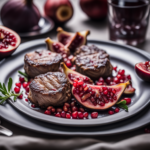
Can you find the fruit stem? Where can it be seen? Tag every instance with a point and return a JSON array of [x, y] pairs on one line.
[[29, 2]]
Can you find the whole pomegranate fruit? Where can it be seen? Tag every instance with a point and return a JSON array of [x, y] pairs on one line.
[[20, 15], [95, 9], [59, 10]]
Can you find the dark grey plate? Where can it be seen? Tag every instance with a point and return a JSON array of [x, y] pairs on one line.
[[122, 56], [14, 116]]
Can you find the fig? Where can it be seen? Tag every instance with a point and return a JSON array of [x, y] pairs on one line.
[[56, 47], [94, 9], [75, 76], [9, 41], [98, 97], [72, 40], [143, 70], [60, 11], [20, 15]]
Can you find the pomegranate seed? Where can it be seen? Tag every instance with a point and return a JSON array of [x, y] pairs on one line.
[[20, 96], [21, 79], [65, 108], [18, 84], [116, 80], [111, 112], [17, 89], [105, 92], [59, 110], [49, 107], [57, 114], [102, 104], [104, 88], [67, 105], [72, 104], [74, 115], [114, 91], [68, 63], [128, 100], [109, 89], [68, 115], [147, 130], [25, 84], [117, 110], [74, 108], [33, 105], [94, 114], [118, 76], [108, 80], [80, 83], [121, 72], [47, 112], [81, 109], [27, 89], [101, 79], [115, 68], [85, 114], [26, 100], [75, 84], [80, 115], [63, 114], [129, 77], [53, 110], [99, 83]]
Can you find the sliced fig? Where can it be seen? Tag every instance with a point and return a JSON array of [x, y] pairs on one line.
[[56, 47], [143, 70], [9, 41], [72, 40], [73, 75], [98, 97]]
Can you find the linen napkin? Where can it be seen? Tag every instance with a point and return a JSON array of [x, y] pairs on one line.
[[141, 142]]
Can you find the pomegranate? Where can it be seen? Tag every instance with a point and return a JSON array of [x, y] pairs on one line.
[[128, 100], [20, 15], [9, 41], [72, 40], [95, 9], [98, 97], [57, 47], [60, 11], [73, 75], [143, 70]]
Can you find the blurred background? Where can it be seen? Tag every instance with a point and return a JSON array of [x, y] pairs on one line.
[[79, 22]]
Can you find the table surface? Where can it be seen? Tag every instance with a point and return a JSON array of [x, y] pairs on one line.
[[99, 31]]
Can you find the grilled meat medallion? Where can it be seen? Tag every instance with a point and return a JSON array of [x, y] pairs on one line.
[[93, 62], [48, 89], [41, 61]]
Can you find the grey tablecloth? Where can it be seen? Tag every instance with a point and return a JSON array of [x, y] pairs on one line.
[[141, 142]]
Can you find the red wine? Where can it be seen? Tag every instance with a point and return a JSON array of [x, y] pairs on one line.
[[128, 20]]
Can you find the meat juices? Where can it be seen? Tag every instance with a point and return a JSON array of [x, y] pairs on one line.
[[41, 61], [50, 89], [93, 62]]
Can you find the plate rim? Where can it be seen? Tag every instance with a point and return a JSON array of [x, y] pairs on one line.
[[80, 122]]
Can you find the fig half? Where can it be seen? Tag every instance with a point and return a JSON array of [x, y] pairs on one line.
[[9, 41], [72, 40], [143, 70], [98, 97], [75, 76], [56, 47]]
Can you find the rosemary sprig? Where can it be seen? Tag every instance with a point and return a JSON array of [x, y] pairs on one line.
[[123, 105], [6, 92], [25, 75]]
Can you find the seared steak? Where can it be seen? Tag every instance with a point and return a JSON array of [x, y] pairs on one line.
[[50, 89], [93, 62], [41, 61]]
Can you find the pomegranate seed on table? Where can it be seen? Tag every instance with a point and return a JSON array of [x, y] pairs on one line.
[[128, 100], [59, 110], [27, 89], [63, 114], [21, 79], [85, 114], [68, 63], [17, 89], [49, 107], [48, 112], [18, 84], [65, 108], [110, 112], [115, 68], [80, 115], [53, 110], [20, 96], [33, 105], [94, 115], [57, 114], [67, 105], [68, 116], [74, 108], [101, 79], [117, 110], [74, 115], [26, 100], [25, 84]]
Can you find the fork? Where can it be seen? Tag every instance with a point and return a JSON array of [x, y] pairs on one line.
[[5, 131]]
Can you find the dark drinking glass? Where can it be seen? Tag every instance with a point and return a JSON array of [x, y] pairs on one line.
[[128, 21]]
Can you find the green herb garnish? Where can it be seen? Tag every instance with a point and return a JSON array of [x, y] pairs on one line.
[[6, 92], [25, 75], [123, 105]]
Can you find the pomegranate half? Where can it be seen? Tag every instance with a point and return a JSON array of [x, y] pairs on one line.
[[143, 70], [9, 41], [97, 97]]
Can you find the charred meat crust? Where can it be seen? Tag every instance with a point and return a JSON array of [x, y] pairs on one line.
[[51, 88], [93, 62], [41, 61]]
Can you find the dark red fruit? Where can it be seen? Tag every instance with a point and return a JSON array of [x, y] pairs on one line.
[[117, 110], [57, 115], [17, 89], [85, 114], [63, 114], [98, 97], [33, 106], [21, 10], [18, 85], [143, 70], [27, 89], [20, 96], [47, 112], [74, 115], [9, 41], [72, 40], [128, 100], [94, 9], [26, 100], [21, 79], [110, 112], [80, 115], [60, 11], [94, 114], [75, 76], [25, 84], [68, 116]]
